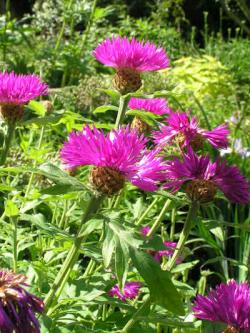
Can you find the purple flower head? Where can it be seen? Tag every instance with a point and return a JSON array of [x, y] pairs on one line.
[[118, 156], [157, 106], [20, 89], [17, 306], [227, 303], [203, 177], [122, 53], [187, 132], [131, 291]]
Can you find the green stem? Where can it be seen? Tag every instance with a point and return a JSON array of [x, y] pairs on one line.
[[86, 32], [14, 223], [63, 274], [144, 215], [133, 320], [203, 111], [35, 164], [192, 213], [7, 142], [159, 218], [123, 103]]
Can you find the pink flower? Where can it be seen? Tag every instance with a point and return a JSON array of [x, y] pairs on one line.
[[120, 52], [187, 132], [19, 89], [157, 106], [131, 290], [204, 177], [229, 304], [117, 156]]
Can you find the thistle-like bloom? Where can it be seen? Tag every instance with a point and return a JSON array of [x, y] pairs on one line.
[[17, 306], [130, 291], [186, 132], [129, 58], [118, 156], [227, 303], [157, 106], [17, 90], [203, 177]]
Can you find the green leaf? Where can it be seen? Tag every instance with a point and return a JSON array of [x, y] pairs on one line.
[[105, 108], [172, 322], [11, 209], [121, 262], [37, 107], [40, 221], [90, 226], [65, 183], [108, 247], [148, 117], [162, 289], [4, 187]]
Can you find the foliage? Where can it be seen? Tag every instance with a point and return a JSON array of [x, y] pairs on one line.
[[47, 203]]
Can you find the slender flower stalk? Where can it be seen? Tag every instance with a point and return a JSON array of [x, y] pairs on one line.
[[147, 211], [7, 142], [159, 218], [192, 214]]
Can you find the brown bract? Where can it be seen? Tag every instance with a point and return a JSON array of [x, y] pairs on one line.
[[106, 180], [11, 112], [8, 284], [201, 190], [127, 80], [141, 126]]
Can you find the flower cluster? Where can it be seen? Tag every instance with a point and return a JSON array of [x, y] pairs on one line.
[[130, 291], [17, 306], [229, 304]]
